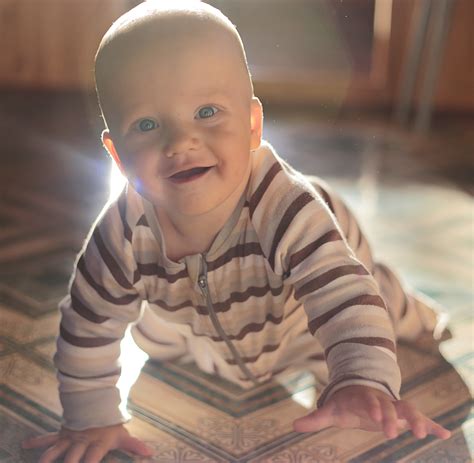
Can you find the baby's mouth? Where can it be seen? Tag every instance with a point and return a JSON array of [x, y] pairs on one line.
[[189, 174]]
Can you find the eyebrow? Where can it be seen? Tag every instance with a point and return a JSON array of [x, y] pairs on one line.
[[212, 92]]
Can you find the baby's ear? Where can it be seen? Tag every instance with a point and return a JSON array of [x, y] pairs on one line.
[[256, 123], [110, 147]]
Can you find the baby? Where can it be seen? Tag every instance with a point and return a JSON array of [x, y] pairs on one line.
[[217, 250]]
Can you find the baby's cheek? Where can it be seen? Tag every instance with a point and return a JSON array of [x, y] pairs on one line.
[[224, 131]]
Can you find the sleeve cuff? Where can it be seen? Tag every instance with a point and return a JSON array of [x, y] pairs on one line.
[[93, 409], [340, 384]]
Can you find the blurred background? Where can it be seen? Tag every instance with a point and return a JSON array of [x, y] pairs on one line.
[[399, 70], [375, 96]]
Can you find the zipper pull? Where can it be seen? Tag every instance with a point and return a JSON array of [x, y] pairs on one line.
[[202, 281]]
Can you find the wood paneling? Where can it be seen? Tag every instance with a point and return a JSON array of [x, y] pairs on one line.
[[455, 89], [51, 43]]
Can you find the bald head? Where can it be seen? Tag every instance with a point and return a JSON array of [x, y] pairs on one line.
[[158, 25]]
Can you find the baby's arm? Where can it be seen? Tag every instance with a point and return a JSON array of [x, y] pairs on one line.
[[372, 410], [104, 298], [345, 312]]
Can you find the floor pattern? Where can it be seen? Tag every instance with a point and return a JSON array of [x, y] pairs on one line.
[[425, 231]]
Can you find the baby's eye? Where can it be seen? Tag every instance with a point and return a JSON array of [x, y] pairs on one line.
[[206, 112], [145, 125]]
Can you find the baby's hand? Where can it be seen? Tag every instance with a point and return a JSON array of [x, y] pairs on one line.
[[91, 445], [369, 409]]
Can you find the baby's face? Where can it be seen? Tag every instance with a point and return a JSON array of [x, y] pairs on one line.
[[182, 119]]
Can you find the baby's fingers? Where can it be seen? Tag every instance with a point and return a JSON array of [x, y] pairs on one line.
[[389, 418], [40, 441], [374, 408], [420, 425], [76, 452], [437, 430], [136, 446], [96, 452], [55, 451], [416, 420], [315, 421]]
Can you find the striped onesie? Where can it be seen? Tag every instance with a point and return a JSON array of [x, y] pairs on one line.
[[284, 284]]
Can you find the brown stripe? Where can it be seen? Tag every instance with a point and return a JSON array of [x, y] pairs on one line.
[[136, 276], [110, 262], [202, 310], [142, 221], [405, 306], [367, 341], [127, 232], [326, 197], [298, 257], [350, 377], [325, 278], [241, 250], [156, 270], [301, 201], [103, 293], [84, 342], [266, 349], [264, 184], [82, 310], [224, 306], [105, 375], [246, 329], [251, 328], [366, 299], [252, 291], [360, 236]]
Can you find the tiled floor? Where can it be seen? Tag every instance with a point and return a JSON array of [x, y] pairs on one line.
[[412, 197]]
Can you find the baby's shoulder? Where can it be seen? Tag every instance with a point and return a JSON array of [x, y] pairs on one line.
[[275, 183], [120, 216]]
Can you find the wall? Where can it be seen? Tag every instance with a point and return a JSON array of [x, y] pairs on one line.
[[51, 43]]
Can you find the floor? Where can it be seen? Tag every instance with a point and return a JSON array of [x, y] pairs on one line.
[[414, 197]]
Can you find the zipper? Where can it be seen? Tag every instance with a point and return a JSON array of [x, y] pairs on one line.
[[203, 284]]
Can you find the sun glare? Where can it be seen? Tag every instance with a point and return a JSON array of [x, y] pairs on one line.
[[306, 398], [116, 182], [132, 359]]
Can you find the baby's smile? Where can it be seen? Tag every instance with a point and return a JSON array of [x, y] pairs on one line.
[[189, 175]]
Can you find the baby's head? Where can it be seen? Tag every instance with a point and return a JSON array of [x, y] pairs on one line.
[[177, 99]]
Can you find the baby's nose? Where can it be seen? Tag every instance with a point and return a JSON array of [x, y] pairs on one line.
[[179, 140]]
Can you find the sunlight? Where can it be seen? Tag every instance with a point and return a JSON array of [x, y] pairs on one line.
[[116, 182], [132, 359], [306, 398]]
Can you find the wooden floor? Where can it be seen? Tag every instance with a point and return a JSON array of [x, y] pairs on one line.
[[413, 197]]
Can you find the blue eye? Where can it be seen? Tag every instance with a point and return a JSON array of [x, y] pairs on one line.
[[206, 112], [145, 125]]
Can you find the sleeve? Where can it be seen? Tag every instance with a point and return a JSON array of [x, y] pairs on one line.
[[304, 244], [104, 298]]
